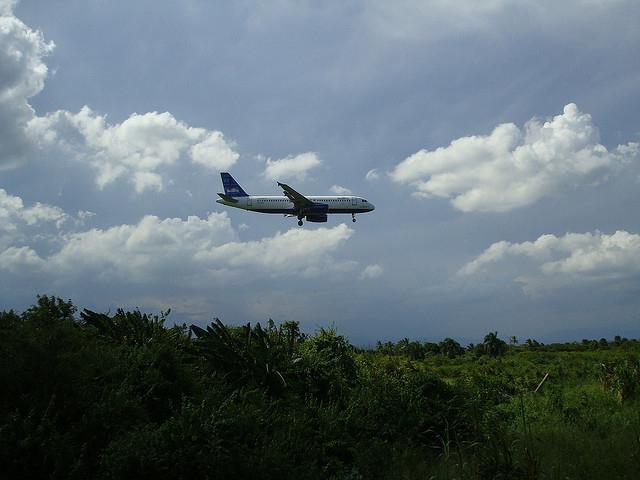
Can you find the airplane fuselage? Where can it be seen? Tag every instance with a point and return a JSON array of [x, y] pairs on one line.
[[282, 205], [292, 203]]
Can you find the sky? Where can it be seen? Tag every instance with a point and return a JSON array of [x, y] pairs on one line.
[[498, 140]]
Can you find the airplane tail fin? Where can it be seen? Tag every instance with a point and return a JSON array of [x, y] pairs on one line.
[[231, 187]]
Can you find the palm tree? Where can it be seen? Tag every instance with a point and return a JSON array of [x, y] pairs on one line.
[[494, 346], [130, 328], [248, 353], [450, 348]]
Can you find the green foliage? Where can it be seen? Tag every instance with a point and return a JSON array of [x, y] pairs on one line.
[[493, 346], [622, 377], [327, 367], [214, 440], [450, 348], [50, 310], [125, 396], [130, 328], [394, 404], [70, 391], [249, 356]]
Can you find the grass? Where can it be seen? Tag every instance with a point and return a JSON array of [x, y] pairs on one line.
[[571, 429]]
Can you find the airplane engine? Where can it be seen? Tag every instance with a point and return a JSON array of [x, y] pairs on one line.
[[318, 209], [317, 218], [317, 213]]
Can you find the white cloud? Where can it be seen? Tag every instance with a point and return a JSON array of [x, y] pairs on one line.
[[192, 251], [6, 7], [569, 259], [22, 75], [41, 212], [291, 167], [511, 167], [372, 174], [371, 271], [338, 190], [15, 217], [10, 206], [214, 152], [297, 252], [153, 250], [84, 215], [20, 260], [138, 148]]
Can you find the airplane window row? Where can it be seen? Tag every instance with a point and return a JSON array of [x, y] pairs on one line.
[[322, 201]]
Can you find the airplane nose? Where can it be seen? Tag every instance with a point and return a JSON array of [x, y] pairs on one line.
[[372, 207]]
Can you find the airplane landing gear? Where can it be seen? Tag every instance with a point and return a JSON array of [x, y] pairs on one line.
[[299, 223], [353, 217]]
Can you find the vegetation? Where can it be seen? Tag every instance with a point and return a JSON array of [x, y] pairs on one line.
[[124, 396]]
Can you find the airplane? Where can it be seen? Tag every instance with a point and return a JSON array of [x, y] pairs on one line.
[[291, 203]]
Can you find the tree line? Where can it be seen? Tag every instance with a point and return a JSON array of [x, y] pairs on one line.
[[492, 346]]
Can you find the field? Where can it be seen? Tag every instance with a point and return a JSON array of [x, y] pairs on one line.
[[119, 396]]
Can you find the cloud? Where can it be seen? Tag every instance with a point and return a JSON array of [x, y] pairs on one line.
[[569, 259], [192, 251], [371, 271], [15, 217], [84, 215], [511, 168], [6, 7], [295, 252], [214, 152], [41, 212], [20, 260], [152, 251], [138, 148], [338, 190], [295, 167], [372, 175], [22, 75]]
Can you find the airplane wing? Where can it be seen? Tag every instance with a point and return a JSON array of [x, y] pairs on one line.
[[300, 201]]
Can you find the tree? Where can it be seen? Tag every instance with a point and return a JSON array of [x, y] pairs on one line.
[[247, 354], [532, 344], [431, 348], [386, 348], [50, 310], [494, 346], [450, 348], [413, 350], [131, 328], [327, 365]]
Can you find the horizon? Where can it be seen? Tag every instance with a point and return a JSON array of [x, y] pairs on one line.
[[463, 341]]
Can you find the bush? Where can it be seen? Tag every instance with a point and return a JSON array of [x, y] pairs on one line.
[[622, 377]]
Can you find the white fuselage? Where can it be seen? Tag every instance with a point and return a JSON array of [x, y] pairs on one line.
[[281, 204]]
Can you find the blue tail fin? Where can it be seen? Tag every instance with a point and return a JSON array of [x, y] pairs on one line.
[[231, 187]]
